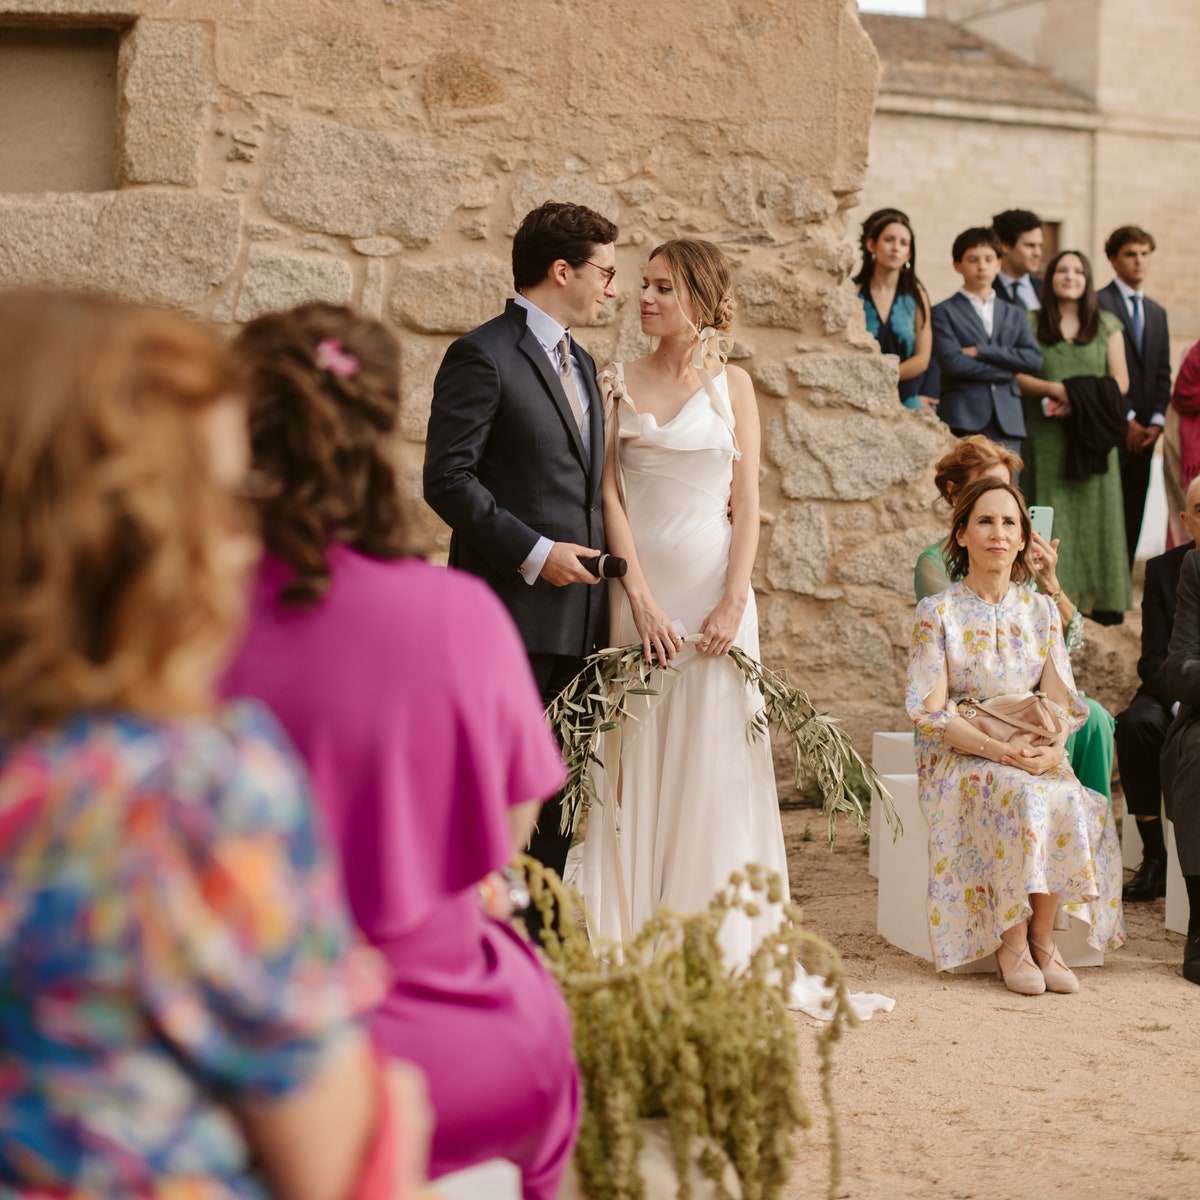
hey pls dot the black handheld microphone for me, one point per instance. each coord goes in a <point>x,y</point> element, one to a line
<point>607,566</point>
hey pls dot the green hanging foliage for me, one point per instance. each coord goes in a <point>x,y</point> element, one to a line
<point>663,1030</point>
<point>597,700</point>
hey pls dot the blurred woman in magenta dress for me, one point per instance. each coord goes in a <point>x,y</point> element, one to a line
<point>407,692</point>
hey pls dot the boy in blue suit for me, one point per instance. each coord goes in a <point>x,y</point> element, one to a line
<point>981,343</point>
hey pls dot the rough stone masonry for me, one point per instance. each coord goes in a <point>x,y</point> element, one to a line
<point>381,152</point>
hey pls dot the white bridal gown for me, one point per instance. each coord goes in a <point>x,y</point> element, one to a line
<point>686,797</point>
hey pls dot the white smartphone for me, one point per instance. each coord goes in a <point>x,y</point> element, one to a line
<point>1041,517</point>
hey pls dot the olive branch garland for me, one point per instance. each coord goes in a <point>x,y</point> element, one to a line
<point>663,1029</point>
<point>597,701</point>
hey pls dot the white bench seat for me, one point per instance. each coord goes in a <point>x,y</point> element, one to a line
<point>904,881</point>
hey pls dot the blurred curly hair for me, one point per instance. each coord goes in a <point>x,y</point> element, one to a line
<point>324,402</point>
<point>112,519</point>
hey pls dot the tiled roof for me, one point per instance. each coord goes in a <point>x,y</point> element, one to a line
<point>929,56</point>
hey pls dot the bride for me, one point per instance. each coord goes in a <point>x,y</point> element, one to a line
<point>686,797</point>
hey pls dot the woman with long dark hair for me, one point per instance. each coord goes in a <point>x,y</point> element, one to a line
<point>894,301</point>
<point>1078,340</point>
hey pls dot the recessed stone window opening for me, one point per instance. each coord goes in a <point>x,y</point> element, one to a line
<point>58,109</point>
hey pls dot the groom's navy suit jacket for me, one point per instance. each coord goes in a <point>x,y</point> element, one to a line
<point>505,466</point>
<point>972,389</point>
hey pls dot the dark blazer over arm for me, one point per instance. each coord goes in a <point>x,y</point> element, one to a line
<point>505,466</point>
<point>1181,667</point>
<point>1158,616</point>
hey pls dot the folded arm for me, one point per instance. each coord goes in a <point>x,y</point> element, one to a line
<point>954,364</point>
<point>1024,355</point>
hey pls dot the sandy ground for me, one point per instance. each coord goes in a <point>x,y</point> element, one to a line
<point>966,1090</point>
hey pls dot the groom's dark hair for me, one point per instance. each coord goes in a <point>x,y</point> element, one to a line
<point>553,231</point>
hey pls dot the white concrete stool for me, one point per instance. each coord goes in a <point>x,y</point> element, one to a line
<point>891,754</point>
<point>904,882</point>
<point>496,1179</point>
<point>1177,897</point>
<point>1131,857</point>
<point>1131,842</point>
<point>904,871</point>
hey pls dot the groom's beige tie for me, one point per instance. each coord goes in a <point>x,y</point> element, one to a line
<point>566,376</point>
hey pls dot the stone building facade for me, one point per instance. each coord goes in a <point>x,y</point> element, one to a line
<point>1086,111</point>
<point>381,153</point>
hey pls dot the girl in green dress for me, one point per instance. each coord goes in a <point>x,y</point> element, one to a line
<point>1077,338</point>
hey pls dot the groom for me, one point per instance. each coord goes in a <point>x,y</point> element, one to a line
<point>515,448</point>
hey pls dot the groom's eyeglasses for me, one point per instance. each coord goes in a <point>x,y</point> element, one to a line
<point>608,272</point>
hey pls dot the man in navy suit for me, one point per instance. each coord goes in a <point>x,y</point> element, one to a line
<point>515,449</point>
<point>1020,234</point>
<point>981,344</point>
<point>1148,354</point>
<point>1142,727</point>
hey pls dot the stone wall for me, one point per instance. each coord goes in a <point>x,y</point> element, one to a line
<point>381,152</point>
<point>1136,62</point>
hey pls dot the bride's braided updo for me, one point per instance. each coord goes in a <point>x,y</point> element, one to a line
<point>703,269</point>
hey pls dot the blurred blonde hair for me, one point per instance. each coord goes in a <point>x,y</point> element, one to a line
<point>111,518</point>
<point>970,456</point>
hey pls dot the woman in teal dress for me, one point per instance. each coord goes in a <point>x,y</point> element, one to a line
<point>1077,338</point>
<point>1090,748</point>
<point>895,305</point>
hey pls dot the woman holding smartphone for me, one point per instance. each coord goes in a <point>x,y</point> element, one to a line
<point>1090,748</point>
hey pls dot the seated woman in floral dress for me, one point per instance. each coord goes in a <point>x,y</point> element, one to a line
<point>1013,833</point>
<point>1090,748</point>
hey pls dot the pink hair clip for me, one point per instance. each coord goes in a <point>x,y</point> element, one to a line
<point>334,358</point>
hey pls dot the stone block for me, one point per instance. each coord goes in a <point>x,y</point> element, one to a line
<point>770,378</point>
<point>844,640</point>
<point>774,299</point>
<point>798,555</point>
<point>325,56</point>
<point>886,562</point>
<point>166,78</point>
<point>529,192</point>
<point>419,361</point>
<point>737,195</point>
<point>450,297</point>
<point>849,455</point>
<point>460,80</point>
<point>275,280</point>
<point>170,248</point>
<point>865,381</point>
<point>377,247</point>
<point>335,179</point>
<point>371,300</point>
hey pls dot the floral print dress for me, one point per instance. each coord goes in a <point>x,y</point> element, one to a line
<point>172,944</point>
<point>998,833</point>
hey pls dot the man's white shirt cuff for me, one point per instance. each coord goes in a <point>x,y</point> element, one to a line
<point>531,568</point>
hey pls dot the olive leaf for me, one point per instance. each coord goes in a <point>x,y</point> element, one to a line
<point>598,700</point>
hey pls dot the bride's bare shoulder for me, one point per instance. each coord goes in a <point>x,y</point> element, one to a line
<point>636,370</point>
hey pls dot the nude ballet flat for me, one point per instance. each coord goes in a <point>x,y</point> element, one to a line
<point>1058,976</point>
<point>1024,978</point>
